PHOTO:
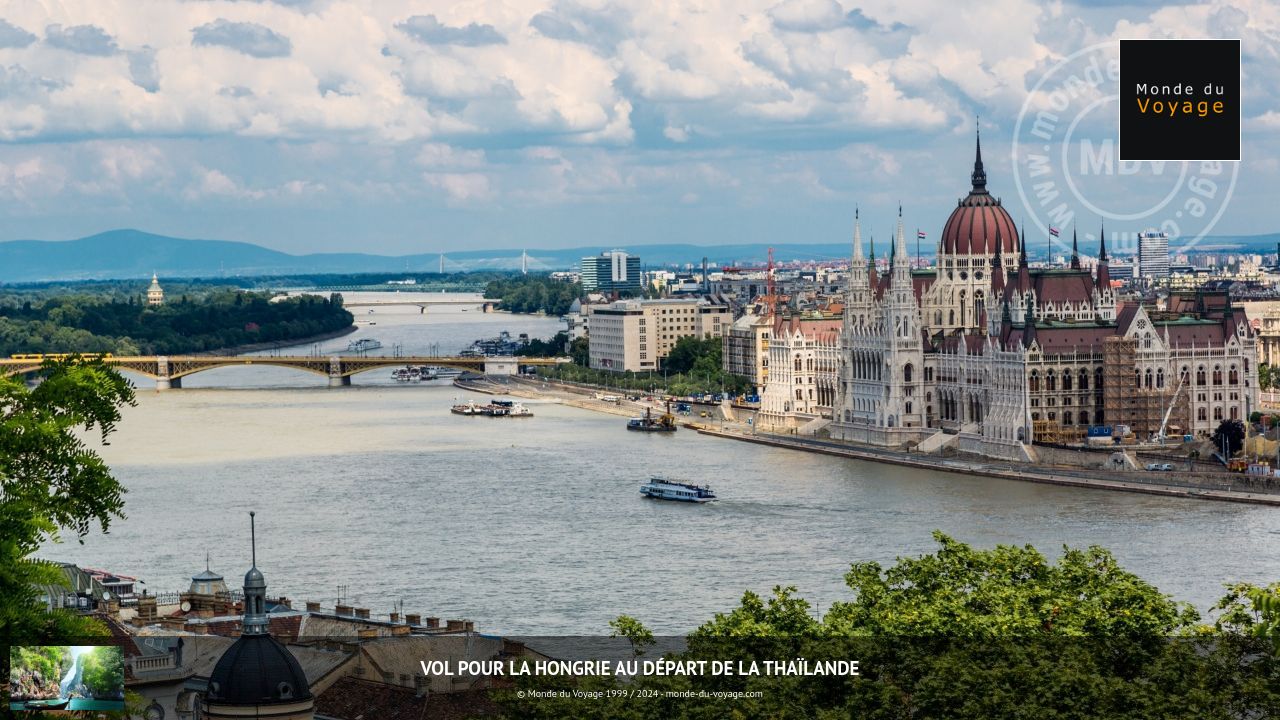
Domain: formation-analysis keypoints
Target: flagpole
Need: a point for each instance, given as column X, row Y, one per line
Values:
column 917, row 244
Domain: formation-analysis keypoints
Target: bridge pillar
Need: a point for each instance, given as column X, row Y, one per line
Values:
column 501, row 366
column 336, row 378
column 163, row 379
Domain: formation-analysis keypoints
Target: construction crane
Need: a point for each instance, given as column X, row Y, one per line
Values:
column 1160, row 436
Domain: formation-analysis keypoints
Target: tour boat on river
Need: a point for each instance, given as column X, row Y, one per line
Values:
column 663, row 489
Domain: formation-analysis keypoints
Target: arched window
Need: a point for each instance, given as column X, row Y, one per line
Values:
column 937, row 317
column 1035, row 381
column 1217, row 413
column 799, row 364
column 1050, row 382
column 1066, row 380
column 1200, row 375
column 1149, row 375
column 1201, row 415
column 1217, row 374
column 1084, row 379
column 1232, row 376
column 951, row 317
column 907, row 372
column 1160, row 378
column 1066, row 418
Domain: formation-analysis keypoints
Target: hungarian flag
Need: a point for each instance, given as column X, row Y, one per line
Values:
column 1053, row 231
column 920, row 235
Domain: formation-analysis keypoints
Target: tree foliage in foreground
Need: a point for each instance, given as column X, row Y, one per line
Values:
column 962, row 633
column 52, row 483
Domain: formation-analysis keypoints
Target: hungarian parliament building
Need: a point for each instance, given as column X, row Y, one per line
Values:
column 998, row 354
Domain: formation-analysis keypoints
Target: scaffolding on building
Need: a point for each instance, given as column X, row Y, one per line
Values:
column 1140, row 405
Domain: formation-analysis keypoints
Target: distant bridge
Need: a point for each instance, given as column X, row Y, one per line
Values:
column 423, row 303
column 168, row 371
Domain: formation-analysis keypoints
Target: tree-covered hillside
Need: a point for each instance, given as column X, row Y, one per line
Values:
column 126, row 325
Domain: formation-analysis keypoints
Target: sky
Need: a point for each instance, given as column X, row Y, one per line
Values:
column 399, row 127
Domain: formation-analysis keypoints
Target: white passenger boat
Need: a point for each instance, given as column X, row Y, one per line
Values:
column 663, row 489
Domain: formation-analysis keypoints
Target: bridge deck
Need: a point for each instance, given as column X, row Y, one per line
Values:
column 334, row 366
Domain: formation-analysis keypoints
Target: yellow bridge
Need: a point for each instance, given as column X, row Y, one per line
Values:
column 168, row 371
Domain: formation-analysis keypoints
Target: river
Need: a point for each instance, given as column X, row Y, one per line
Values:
column 535, row 526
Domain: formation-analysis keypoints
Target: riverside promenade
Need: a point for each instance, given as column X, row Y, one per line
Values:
column 1050, row 475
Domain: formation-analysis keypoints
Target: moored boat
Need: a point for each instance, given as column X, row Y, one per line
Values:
column 663, row 489
column 665, row 422
column 467, row 408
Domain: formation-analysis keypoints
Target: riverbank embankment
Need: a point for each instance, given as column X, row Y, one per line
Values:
column 1203, row 486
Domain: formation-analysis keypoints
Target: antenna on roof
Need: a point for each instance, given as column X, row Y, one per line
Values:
column 253, row 539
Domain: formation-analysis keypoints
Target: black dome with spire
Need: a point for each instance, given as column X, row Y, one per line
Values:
column 257, row 670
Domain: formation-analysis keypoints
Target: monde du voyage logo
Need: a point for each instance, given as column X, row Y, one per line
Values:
column 1180, row 100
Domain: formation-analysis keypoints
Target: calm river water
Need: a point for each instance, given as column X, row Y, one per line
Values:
column 536, row 526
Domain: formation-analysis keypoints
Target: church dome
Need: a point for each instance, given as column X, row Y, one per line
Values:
column 257, row 670
column 979, row 220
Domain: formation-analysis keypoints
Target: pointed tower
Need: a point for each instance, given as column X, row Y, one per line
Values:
column 1028, row 333
column 255, row 589
column 860, row 296
column 904, row 357
column 873, row 274
column 979, row 176
column 1075, row 249
column 257, row 676
column 1104, row 295
column 995, row 303
column 155, row 293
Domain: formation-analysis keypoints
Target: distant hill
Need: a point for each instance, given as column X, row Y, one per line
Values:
column 122, row 254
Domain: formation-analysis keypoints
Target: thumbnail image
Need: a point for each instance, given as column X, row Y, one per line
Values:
column 66, row 678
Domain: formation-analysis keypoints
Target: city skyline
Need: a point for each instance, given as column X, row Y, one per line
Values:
column 324, row 125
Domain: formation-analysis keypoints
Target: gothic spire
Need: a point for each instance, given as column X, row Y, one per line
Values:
column 1075, row 249
column 997, row 266
column 857, row 237
column 979, row 175
column 1104, row 267
column 1028, row 330
column 900, row 240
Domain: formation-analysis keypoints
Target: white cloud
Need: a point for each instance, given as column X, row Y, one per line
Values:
column 461, row 188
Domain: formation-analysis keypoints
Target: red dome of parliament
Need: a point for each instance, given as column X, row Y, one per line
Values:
column 978, row 220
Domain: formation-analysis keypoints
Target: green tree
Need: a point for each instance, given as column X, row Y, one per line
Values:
column 634, row 631
column 580, row 351
column 1230, row 434
column 51, row 482
column 964, row 633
